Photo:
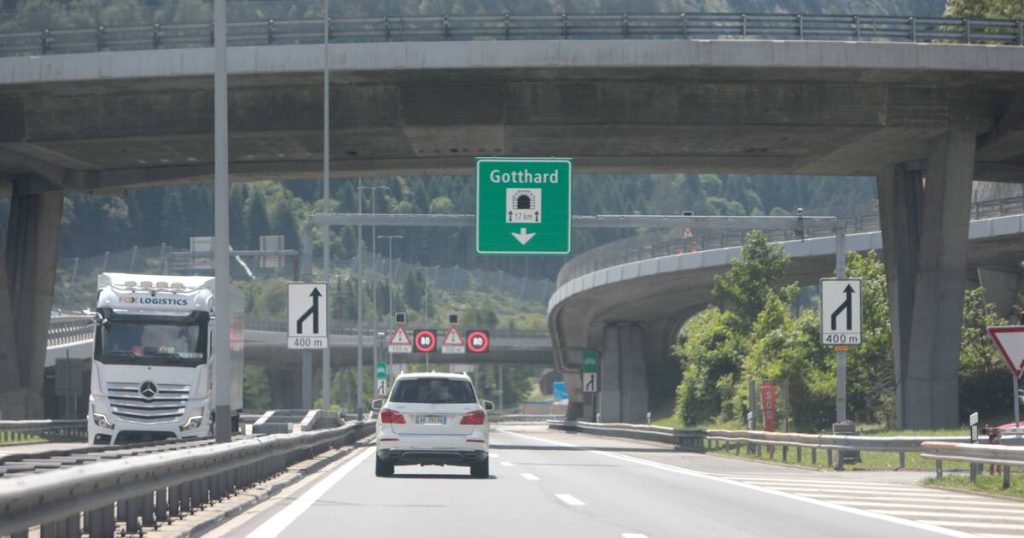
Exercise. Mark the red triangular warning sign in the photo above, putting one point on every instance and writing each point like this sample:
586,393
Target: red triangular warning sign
400,338
453,338
1010,341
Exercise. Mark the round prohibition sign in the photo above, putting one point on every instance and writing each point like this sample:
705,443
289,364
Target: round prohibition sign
478,341
425,340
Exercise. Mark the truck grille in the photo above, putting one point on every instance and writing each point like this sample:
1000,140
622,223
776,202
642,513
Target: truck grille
131,401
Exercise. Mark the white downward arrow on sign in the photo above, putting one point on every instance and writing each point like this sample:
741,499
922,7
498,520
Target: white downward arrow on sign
522,236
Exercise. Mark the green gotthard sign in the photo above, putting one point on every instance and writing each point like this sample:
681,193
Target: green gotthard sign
523,206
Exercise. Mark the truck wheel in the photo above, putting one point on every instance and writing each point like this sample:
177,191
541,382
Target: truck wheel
481,469
384,468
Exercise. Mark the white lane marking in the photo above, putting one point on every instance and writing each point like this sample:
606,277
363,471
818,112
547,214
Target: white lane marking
493,455
569,499
633,535
507,464
530,476
280,521
697,474
839,497
1001,518
874,503
994,526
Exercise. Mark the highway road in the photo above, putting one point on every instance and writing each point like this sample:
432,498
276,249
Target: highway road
555,484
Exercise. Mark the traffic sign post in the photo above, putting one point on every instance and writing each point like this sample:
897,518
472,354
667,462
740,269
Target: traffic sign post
453,342
425,340
590,367
523,206
840,312
1010,341
400,342
307,316
382,378
478,341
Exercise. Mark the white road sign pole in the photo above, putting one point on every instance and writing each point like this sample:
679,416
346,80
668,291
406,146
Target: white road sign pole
841,353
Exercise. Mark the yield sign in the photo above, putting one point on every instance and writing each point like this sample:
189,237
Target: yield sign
453,342
1010,341
400,342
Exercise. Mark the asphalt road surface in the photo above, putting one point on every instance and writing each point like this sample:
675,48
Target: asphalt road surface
554,484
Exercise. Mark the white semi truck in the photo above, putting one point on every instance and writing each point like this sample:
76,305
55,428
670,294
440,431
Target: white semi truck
152,369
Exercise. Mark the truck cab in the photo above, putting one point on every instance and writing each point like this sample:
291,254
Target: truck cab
152,372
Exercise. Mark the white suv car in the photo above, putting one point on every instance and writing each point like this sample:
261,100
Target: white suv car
432,419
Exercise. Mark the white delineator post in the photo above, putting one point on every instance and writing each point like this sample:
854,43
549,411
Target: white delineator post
221,192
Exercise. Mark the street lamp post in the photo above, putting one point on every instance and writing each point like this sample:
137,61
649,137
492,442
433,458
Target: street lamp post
391,290
373,291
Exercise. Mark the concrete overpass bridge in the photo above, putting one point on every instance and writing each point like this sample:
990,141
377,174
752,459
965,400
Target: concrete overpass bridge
71,336
897,99
629,299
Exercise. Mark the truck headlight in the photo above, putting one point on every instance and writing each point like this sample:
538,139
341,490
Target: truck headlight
102,421
192,423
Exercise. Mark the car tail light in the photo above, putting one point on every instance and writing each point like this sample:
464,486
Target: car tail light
474,418
388,416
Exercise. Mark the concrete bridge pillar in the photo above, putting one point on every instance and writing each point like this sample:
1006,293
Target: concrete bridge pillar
924,229
26,296
623,376
1001,286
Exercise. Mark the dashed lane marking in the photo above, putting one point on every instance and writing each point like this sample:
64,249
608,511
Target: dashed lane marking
530,476
569,499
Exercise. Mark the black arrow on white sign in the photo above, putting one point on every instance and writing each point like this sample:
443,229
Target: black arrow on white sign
315,312
848,307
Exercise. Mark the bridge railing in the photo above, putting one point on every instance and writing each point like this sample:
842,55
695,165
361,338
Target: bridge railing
256,29
66,330
656,245
26,431
280,325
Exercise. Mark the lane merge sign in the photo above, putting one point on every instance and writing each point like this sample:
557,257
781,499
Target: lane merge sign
1010,341
307,316
425,340
840,312
453,342
523,205
478,341
589,368
400,341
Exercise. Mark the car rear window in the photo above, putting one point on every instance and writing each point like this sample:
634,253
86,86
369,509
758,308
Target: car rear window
433,391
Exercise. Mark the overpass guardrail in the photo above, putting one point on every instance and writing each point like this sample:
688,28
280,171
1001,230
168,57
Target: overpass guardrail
656,245
149,490
27,431
253,26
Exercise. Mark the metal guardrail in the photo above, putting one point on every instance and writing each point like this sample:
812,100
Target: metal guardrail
976,455
507,26
503,418
64,330
148,490
700,440
648,246
23,431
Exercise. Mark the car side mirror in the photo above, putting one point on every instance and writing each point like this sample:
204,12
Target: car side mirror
377,405
488,405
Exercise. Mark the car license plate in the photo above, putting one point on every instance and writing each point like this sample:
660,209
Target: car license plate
430,420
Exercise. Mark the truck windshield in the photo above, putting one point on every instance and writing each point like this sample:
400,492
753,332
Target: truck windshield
148,343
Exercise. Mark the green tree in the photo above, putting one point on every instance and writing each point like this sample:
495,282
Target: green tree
985,9
748,283
256,390
984,381
871,381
